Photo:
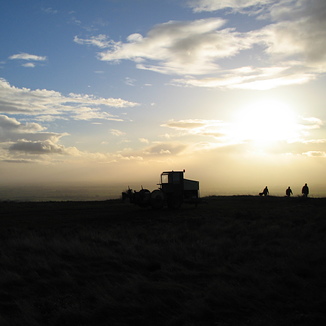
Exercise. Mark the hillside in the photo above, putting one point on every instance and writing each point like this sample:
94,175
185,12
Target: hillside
238,260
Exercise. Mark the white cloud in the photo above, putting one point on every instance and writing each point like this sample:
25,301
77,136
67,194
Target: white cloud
180,47
29,65
194,128
130,81
90,99
11,130
214,5
116,132
144,140
26,56
53,104
289,49
311,123
259,78
88,113
212,128
300,34
100,41
296,40
315,154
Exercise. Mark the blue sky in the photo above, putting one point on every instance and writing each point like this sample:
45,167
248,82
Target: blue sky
110,91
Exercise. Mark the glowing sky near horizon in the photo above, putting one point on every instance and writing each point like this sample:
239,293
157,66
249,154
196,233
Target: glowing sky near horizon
110,91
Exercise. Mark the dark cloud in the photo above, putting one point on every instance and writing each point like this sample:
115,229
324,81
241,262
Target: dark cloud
37,147
13,130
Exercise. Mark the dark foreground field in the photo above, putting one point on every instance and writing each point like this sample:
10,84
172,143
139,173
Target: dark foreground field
230,261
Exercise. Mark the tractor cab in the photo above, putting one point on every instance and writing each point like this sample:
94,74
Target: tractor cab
172,181
177,189
172,187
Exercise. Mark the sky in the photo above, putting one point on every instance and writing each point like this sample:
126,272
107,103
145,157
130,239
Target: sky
114,92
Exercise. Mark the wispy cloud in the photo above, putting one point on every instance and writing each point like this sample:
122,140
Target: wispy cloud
257,78
165,149
235,5
310,123
212,128
130,81
50,10
27,56
101,41
116,132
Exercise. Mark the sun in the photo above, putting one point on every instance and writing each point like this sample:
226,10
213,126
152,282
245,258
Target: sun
266,122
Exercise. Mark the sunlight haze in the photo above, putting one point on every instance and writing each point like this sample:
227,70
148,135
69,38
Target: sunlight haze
110,93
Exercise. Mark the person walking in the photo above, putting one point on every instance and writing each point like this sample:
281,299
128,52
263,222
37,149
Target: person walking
288,192
305,190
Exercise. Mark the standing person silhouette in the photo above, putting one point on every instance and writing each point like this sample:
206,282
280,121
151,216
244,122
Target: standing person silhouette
288,192
305,190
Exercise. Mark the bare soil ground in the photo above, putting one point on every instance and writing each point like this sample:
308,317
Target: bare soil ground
238,260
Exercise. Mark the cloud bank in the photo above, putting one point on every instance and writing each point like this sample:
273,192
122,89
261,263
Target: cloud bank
52,105
30,141
21,141
290,47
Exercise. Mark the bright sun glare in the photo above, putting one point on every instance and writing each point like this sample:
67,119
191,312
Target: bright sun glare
266,122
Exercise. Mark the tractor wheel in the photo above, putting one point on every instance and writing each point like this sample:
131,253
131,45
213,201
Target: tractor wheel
143,197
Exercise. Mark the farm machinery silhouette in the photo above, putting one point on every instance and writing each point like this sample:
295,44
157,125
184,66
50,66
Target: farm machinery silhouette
173,191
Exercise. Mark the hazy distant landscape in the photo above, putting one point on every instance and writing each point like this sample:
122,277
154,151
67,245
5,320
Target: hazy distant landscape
61,192
100,192
237,260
